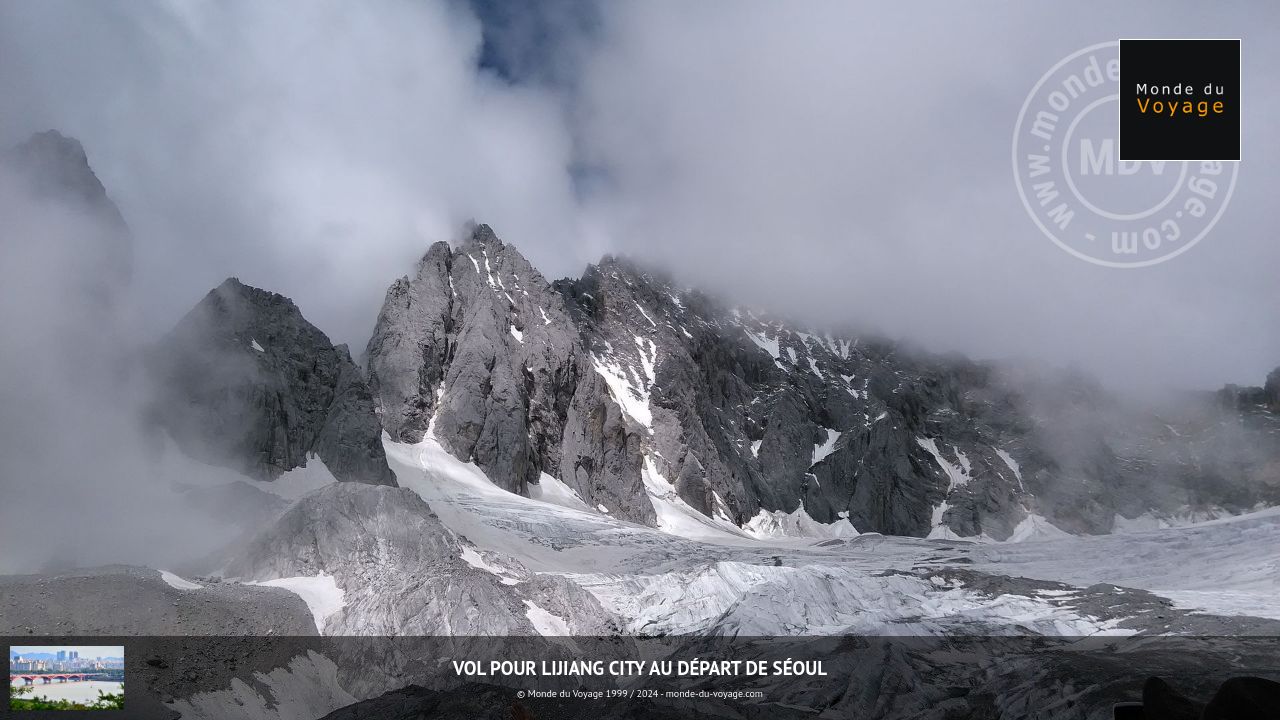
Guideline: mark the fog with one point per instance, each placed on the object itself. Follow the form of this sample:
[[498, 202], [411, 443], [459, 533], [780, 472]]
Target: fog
[[841, 163], [76, 467], [835, 162]]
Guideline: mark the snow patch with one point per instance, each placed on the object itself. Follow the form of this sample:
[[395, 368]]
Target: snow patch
[[936, 520], [1013, 465], [677, 517], [633, 398], [176, 582], [719, 508], [769, 346], [551, 490], [813, 367], [826, 448], [1035, 528], [321, 594], [646, 315], [546, 623], [648, 358], [957, 475], [767, 525], [494, 284], [519, 336], [476, 560]]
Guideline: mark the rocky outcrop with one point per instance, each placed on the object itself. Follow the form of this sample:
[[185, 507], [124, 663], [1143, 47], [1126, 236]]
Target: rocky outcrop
[[244, 381], [478, 348], [402, 572]]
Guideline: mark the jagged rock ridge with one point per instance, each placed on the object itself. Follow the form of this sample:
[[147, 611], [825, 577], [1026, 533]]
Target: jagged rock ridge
[[479, 348], [644, 397]]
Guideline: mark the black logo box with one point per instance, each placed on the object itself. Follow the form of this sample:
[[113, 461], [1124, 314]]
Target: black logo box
[[1187, 68]]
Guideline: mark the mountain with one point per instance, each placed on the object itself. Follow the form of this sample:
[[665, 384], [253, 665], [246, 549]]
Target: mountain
[[54, 170], [653, 402], [397, 570], [475, 332], [246, 382]]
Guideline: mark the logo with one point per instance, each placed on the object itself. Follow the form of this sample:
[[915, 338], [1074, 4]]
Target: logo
[[1180, 99], [1107, 211]]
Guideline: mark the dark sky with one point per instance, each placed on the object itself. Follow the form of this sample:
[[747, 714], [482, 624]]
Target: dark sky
[[836, 161]]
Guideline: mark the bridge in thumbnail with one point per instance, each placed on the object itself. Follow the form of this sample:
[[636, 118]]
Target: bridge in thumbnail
[[51, 678]]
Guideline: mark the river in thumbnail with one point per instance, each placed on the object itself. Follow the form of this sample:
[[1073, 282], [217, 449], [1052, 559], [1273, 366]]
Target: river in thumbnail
[[82, 692]]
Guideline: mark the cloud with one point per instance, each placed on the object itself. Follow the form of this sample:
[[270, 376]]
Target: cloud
[[74, 464], [849, 162], [836, 162], [315, 149]]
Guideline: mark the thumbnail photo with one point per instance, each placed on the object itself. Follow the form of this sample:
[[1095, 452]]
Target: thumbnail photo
[[66, 677]]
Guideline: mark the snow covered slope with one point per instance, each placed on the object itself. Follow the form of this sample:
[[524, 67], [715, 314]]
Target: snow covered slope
[[719, 581]]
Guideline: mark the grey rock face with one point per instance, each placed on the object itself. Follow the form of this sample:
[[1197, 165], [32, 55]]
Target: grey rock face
[[479, 347], [244, 381], [407, 354], [403, 572], [604, 451], [620, 376]]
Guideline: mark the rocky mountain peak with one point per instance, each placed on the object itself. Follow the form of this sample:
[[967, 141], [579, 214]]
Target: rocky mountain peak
[[245, 381], [662, 406], [56, 166], [53, 168], [51, 162], [480, 235]]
